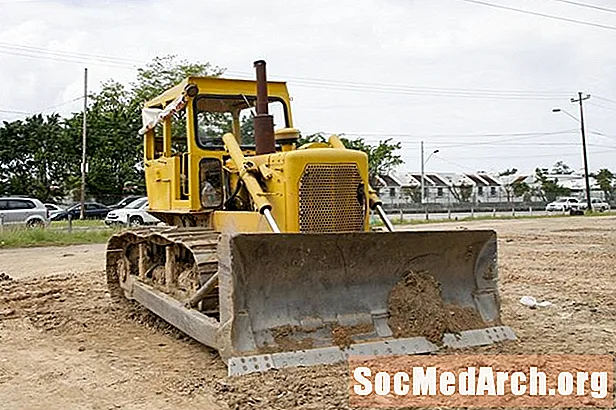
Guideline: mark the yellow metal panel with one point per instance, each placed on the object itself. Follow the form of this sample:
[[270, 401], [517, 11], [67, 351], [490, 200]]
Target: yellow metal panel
[[223, 86], [158, 177], [239, 221], [295, 164]]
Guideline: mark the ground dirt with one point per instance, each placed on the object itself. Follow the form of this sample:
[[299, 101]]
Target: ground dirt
[[63, 344]]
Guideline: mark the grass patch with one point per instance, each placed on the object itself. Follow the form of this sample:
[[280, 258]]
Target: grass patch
[[20, 238], [86, 223]]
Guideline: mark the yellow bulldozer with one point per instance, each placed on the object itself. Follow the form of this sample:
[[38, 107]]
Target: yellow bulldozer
[[268, 255]]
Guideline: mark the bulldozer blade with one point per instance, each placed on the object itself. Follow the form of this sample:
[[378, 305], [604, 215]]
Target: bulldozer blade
[[297, 299]]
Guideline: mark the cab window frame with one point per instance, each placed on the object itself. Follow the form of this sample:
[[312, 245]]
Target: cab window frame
[[222, 183], [221, 147]]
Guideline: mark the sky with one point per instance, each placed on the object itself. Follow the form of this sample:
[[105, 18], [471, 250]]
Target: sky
[[476, 82]]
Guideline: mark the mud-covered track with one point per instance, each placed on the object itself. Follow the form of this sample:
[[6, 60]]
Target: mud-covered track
[[176, 261]]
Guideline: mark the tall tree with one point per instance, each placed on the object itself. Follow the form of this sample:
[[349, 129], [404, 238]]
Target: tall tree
[[412, 194], [560, 168], [521, 189], [165, 72], [550, 189], [115, 148], [36, 157], [605, 180], [462, 192], [508, 186]]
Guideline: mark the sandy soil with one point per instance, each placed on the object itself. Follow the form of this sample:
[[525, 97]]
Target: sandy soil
[[37, 262], [64, 345]]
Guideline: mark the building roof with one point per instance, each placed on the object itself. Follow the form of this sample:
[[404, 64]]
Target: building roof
[[390, 181], [477, 180], [438, 181], [491, 181]]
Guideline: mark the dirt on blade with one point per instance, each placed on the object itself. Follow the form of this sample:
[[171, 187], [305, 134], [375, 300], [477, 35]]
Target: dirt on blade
[[416, 308]]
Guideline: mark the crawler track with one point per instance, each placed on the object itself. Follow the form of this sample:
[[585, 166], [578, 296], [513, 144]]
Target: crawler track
[[176, 261]]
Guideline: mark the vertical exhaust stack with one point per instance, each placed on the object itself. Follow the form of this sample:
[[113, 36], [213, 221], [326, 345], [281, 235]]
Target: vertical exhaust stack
[[263, 121]]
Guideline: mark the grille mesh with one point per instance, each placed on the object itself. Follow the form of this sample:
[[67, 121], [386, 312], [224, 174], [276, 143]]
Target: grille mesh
[[328, 199]]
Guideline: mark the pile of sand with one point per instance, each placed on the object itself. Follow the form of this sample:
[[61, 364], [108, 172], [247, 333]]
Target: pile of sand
[[416, 308]]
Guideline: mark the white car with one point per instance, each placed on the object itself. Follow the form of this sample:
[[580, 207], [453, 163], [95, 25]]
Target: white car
[[134, 214], [562, 204], [599, 205]]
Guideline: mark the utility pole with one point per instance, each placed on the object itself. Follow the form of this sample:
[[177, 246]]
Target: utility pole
[[422, 175], [82, 213], [580, 100]]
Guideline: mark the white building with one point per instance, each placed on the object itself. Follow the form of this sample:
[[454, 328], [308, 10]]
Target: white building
[[477, 188]]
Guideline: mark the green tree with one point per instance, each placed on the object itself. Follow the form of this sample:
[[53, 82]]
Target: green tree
[[605, 180], [550, 189], [115, 149], [560, 168], [36, 157], [462, 192], [412, 194], [521, 189], [164, 72], [508, 187]]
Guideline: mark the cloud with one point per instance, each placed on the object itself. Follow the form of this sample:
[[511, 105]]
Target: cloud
[[437, 44]]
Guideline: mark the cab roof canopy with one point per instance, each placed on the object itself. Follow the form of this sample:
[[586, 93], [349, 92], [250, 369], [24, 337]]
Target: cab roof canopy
[[219, 86]]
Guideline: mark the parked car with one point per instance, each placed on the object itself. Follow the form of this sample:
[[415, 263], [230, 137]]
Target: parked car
[[126, 201], [562, 204], [93, 210], [135, 214], [23, 211], [53, 209], [597, 204]]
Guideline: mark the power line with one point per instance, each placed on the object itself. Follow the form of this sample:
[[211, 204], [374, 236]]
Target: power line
[[406, 87], [60, 104], [534, 13], [602, 106], [66, 59], [41, 111], [480, 93], [14, 111], [384, 135], [513, 144], [547, 155], [73, 54], [590, 6], [421, 93], [605, 99], [455, 164]]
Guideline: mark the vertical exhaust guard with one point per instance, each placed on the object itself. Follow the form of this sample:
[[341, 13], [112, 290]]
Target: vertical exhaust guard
[[263, 121]]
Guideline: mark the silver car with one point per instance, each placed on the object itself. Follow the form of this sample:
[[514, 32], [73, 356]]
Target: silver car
[[23, 211]]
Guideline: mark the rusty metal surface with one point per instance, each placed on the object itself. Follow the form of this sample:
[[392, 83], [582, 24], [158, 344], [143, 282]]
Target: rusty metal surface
[[263, 121]]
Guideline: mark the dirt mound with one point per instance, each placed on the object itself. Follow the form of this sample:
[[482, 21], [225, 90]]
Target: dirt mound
[[416, 308], [283, 336]]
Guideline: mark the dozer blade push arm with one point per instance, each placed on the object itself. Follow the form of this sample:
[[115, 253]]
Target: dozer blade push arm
[[373, 199], [244, 168]]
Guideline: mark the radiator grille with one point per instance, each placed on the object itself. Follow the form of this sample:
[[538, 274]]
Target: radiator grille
[[329, 199]]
